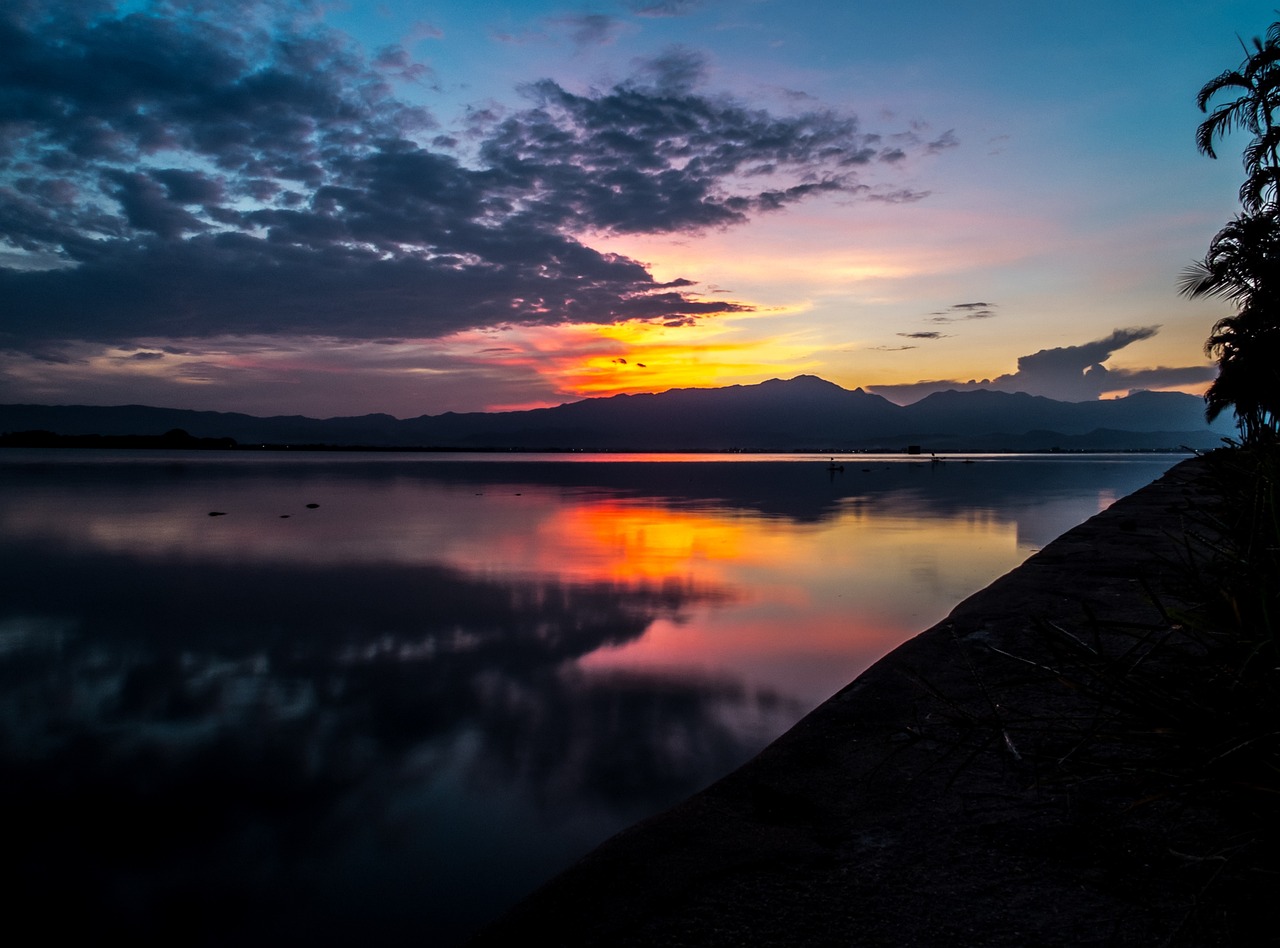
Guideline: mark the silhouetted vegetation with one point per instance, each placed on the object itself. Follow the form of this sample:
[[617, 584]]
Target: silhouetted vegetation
[[1243, 262], [1235, 552]]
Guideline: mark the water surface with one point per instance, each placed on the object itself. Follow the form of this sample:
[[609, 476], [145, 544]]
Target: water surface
[[379, 697]]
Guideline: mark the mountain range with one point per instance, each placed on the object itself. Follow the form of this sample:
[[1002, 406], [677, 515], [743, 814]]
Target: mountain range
[[803, 413]]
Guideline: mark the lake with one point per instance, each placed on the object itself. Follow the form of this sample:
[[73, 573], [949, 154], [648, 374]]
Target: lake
[[256, 698]]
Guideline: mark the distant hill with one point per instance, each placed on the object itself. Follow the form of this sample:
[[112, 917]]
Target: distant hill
[[803, 413]]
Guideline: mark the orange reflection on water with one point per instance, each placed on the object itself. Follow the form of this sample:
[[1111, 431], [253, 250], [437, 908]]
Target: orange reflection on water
[[809, 608], [626, 542]]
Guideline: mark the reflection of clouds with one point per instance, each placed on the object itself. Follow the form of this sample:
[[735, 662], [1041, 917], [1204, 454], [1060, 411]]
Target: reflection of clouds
[[181, 654], [633, 739], [226, 730]]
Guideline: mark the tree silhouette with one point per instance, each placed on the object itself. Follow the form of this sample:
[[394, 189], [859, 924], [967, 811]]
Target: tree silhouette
[[1256, 84], [1248, 354], [1243, 261]]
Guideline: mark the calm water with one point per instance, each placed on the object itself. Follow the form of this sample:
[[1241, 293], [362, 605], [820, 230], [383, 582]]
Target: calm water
[[386, 717]]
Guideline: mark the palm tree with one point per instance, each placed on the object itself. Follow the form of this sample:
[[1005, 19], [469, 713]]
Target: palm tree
[[1257, 84], [1248, 354], [1243, 266], [1243, 262]]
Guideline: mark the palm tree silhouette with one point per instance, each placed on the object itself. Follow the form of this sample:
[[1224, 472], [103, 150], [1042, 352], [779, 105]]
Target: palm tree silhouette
[[1257, 86], [1243, 266], [1248, 354], [1243, 262]]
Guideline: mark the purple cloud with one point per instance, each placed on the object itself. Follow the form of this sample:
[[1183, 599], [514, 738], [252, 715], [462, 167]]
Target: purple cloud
[[163, 174]]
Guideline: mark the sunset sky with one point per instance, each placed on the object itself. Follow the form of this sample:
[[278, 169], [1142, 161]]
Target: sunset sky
[[418, 207]]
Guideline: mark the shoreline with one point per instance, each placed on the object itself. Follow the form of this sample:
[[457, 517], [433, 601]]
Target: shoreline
[[927, 802]]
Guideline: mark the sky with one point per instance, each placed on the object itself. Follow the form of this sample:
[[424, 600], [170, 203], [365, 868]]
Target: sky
[[336, 208]]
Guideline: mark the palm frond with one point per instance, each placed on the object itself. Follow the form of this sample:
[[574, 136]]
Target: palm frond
[[1255, 188], [1229, 79], [1220, 123]]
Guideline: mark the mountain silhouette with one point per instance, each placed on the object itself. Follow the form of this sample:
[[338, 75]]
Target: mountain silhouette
[[802, 413]]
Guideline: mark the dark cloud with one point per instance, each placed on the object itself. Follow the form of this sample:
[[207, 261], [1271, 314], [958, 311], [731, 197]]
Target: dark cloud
[[396, 61], [960, 311], [251, 173], [677, 69], [924, 335], [1160, 377], [664, 8], [917, 138], [583, 30], [146, 206], [1073, 373], [898, 196], [1069, 373], [943, 142], [590, 29], [188, 187]]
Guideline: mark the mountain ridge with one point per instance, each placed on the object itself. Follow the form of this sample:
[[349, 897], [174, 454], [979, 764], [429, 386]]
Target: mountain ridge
[[805, 412]]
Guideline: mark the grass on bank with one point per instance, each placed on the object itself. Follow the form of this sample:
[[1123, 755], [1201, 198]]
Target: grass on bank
[[1187, 713], [1168, 752]]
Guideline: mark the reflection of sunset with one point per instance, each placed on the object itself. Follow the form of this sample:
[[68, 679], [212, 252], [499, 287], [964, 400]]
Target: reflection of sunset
[[621, 541], [834, 599]]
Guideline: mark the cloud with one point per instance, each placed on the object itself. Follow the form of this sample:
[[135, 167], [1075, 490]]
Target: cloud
[[421, 30], [1073, 373], [1069, 373], [590, 29], [677, 69], [961, 311], [924, 335], [943, 142], [664, 8], [163, 175], [898, 196]]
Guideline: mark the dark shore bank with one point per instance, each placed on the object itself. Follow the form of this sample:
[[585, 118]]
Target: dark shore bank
[[1001, 779]]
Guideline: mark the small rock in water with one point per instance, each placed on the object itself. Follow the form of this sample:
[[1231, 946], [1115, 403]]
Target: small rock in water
[[217, 513], [284, 516], [312, 506]]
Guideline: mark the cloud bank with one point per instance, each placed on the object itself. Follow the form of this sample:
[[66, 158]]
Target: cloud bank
[[1068, 373], [187, 171]]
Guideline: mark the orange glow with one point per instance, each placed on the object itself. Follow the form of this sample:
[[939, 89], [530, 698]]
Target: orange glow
[[629, 542], [581, 361]]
